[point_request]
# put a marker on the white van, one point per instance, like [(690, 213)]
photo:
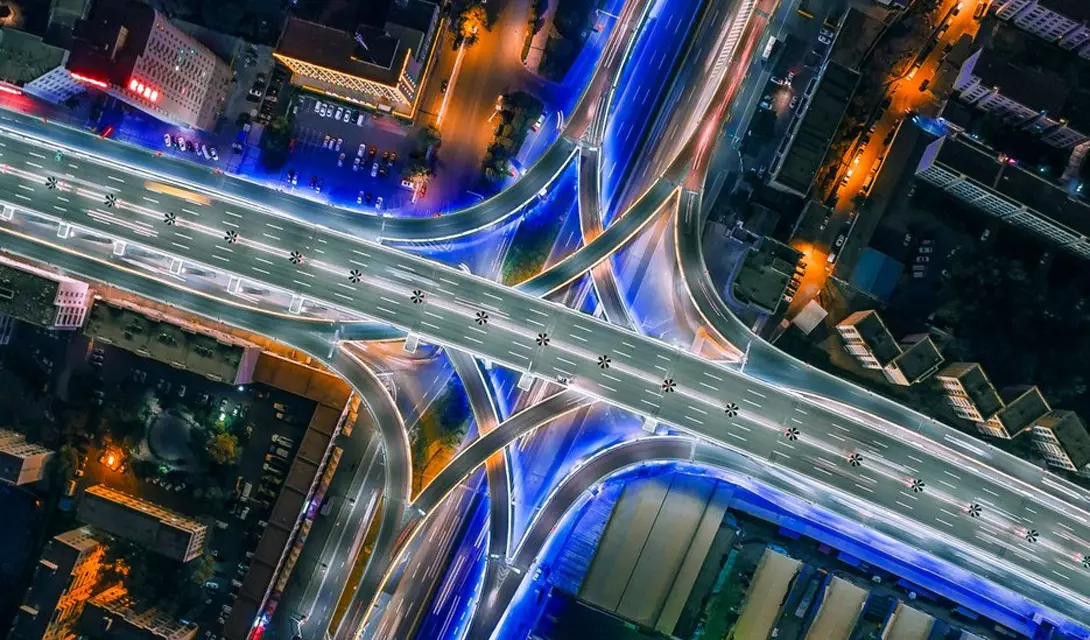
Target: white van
[(246, 491)]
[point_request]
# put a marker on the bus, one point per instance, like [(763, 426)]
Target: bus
[(770, 48)]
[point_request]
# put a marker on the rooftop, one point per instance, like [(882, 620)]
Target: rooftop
[(190, 346), (976, 384), (819, 124), (1074, 9), (27, 292), (363, 51), (25, 57), (875, 334), (983, 165), (766, 270), (1024, 405), (1070, 430), (919, 358)]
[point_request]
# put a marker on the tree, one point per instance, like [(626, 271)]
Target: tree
[(274, 143), (470, 21), (416, 170), (223, 448)]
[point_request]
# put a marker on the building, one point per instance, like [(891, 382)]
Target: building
[(973, 397), (985, 181), (41, 297), (62, 584), (969, 392), (170, 339), (115, 615), (132, 52), (867, 338), (765, 275), (906, 363), (21, 462), (919, 358), (1009, 76), (1063, 440), (35, 66), (1022, 406), (381, 68), (160, 530), (1063, 22)]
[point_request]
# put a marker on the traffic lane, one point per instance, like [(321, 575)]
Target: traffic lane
[(643, 409), (16, 126)]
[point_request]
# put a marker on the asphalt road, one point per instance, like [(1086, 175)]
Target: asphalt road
[(645, 376)]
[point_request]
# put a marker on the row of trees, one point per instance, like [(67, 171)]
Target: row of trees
[(520, 110)]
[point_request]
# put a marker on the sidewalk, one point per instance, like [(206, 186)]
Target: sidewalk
[(537, 44)]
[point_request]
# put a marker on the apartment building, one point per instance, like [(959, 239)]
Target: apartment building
[(1012, 76), (62, 584), (871, 343), (163, 531), (1064, 22), (1062, 438), (21, 462), (985, 181), (115, 614), (973, 397), (41, 297), (381, 67), (132, 52)]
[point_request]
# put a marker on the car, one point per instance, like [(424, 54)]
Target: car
[(499, 102), (210, 585), (325, 142), (824, 40), (443, 86), (839, 242), (180, 141), (361, 150), (794, 102), (181, 391), (382, 171), (243, 566), (318, 107), (204, 152), (828, 33), (371, 153), (873, 127), (385, 157), (359, 120), (359, 198), (340, 112), (340, 141), (540, 121), (167, 140), (919, 274), (926, 83), (347, 116), (215, 154), (789, 78), (984, 236), (393, 158), (923, 259), (367, 198), (340, 160), (824, 223), (926, 249), (378, 203), (244, 513), (766, 102), (907, 239), (374, 169), (355, 163)]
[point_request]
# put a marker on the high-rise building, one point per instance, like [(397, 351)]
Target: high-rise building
[(1003, 414), (906, 363), (1064, 22), (160, 530), (969, 392), (115, 615), (987, 182), (41, 297), (21, 462), (381, 68), (66, 574), (131, 51), (1063, 440), (867, 338)]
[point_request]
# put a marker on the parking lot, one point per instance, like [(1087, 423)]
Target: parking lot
[(354, 158)]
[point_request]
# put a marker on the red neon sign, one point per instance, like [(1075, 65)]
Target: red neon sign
[(92, 81), (143, 90)]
